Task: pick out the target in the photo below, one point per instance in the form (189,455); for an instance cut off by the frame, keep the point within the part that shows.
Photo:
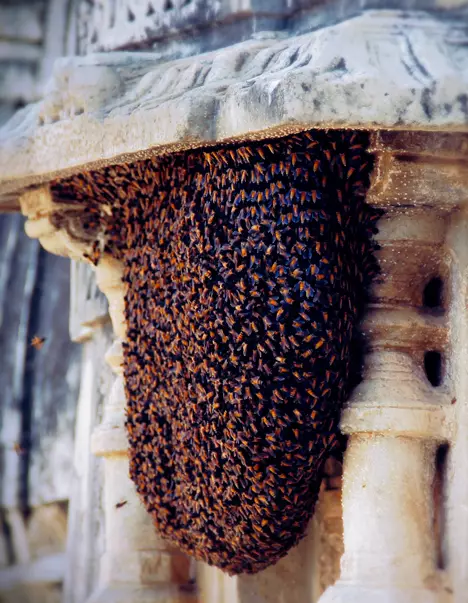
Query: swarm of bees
(246,268)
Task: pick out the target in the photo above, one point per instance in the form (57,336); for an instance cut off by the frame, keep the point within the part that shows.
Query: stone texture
(39,389)
(88,306)
(21,34)
(85,542)
(33,33)
(179,28)
(47,530)
(380,69)
(455,529)
(108,25)
(328,533)
(22,21)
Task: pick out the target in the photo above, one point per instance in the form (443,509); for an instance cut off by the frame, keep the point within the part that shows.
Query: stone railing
(387,73)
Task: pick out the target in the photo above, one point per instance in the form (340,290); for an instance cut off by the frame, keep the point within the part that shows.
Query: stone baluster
(394,422)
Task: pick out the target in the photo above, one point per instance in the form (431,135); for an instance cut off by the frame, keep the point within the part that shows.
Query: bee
(37,342)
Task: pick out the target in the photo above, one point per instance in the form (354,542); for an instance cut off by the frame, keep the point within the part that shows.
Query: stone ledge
(47,570)
(382,69)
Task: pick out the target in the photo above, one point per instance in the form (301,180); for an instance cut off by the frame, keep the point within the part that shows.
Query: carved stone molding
(111,25)
(380,69)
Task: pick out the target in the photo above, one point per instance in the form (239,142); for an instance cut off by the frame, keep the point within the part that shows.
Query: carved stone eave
(382,69)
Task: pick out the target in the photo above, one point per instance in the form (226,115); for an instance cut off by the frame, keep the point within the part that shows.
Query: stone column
(401,411)
(137,566)
(394,422)
(90,326)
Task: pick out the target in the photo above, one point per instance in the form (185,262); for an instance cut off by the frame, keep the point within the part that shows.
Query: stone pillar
(89,325)
(402,410)
(394,421)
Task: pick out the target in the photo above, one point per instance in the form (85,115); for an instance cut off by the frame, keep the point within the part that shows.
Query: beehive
(246,268)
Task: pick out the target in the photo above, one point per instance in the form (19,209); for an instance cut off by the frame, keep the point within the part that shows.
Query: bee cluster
(246,268)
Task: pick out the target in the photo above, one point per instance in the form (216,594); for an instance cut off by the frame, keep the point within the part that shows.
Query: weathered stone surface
(108,25)
(178,28)
(39,387)
(21,34)
(22,20)
(33,33)
(328,535)
(88,306)
(85,541)
(47,530)
(381,69)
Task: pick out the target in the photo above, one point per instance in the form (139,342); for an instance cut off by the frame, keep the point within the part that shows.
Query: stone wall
(32,35)
(37,406)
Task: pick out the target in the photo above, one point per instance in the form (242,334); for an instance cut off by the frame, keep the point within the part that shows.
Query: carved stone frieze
(110,25)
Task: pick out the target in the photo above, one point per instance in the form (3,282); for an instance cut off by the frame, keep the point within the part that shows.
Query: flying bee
(37,342)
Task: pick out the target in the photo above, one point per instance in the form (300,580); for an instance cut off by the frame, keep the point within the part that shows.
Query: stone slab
(381,69)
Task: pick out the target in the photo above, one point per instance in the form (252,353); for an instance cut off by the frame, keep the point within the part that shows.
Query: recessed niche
(433,367)
(433,293)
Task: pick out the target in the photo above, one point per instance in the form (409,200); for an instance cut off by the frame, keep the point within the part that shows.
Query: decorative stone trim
(372,71)
(129,24)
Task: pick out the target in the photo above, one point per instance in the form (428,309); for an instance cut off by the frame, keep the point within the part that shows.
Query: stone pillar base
(343,592)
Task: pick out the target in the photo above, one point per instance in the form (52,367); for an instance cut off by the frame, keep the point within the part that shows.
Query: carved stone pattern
(113,24)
